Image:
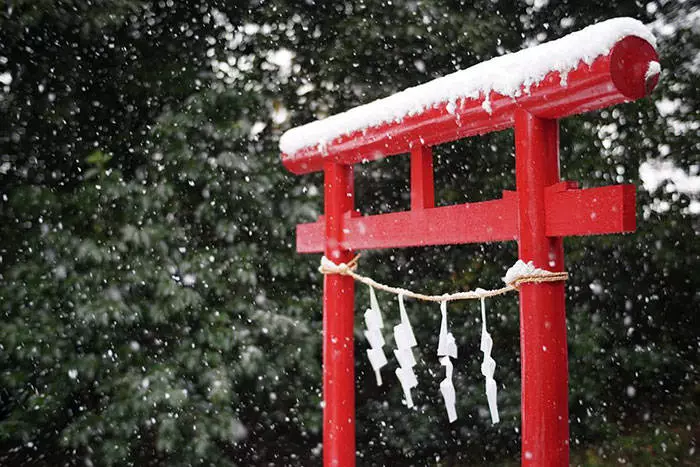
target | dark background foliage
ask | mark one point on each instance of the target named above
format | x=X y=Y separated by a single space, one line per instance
x=154 y=311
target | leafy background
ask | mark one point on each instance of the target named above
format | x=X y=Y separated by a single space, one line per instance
x=154 y=311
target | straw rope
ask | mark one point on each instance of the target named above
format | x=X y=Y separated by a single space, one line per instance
x=349 y=268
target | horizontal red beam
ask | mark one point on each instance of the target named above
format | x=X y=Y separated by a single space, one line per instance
x=461 y=223
x=593 y=211
x=617 y=77
x=569 y=212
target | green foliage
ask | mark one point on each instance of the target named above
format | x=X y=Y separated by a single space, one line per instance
x=154 y=310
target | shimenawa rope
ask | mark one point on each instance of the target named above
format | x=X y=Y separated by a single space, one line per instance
x=348 y=269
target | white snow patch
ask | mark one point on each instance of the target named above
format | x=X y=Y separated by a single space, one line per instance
x=189 y=279
x=505 y=75
x=520 y=269
x=667 y=107
x=653 y=70
x=6 y=78
x=486 y=105
x=282 y=59
x=257 y=128
x=280 y=114
x=655 y=172
x=305 y=89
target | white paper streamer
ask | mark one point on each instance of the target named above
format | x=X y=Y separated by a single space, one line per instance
x=403 y=335
x=373 y=334
x=448 y=390
x=488 y=366
x=447 y=347
x=446 y=344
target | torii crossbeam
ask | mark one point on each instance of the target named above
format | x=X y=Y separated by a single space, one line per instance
x=605 y=64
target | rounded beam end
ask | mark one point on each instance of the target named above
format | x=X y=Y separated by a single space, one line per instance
x=634 y=66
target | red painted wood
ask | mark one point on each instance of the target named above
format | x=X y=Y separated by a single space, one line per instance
x=593 y=211
x=422 y=179
x=486 y=221
x=338 y=323
x=545 y=414
x=539 y=216
x=610 y=79
x=311 y=236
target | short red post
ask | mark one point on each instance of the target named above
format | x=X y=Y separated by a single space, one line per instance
x=545 y=412
x=422 y=178
x=338 y=322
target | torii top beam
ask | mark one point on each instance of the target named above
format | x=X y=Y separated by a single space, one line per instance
x=601 y=65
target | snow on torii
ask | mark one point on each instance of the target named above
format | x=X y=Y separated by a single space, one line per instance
x=514 y=76
x=605 y=64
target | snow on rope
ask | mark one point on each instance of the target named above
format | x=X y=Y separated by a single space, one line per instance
x=508 y=75
x=518 y=274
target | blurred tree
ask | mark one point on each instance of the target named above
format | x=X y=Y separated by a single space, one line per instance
x=154 y=311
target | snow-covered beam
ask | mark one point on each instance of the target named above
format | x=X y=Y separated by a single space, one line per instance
x=604 y=64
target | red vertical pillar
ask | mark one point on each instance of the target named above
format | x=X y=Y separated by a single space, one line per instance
x=338 y=321
x=422 y=179
x=545 y=412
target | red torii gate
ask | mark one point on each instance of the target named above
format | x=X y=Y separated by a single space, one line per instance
x=538 y=214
